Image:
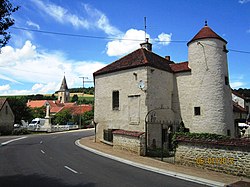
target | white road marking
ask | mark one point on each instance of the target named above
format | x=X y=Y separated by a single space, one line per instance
x=5 y=143
x=70 y=169
x=42 y=152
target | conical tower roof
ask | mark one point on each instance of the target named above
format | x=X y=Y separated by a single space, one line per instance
x=64 y=86
x=206 y=32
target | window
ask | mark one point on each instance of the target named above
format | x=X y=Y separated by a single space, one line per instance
x=197 y=111
x=226 y=80
x=6 y=110
x=228 y=132
x=115 y=100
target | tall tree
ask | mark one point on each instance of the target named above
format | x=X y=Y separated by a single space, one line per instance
x=20 y=109
x=6 y=9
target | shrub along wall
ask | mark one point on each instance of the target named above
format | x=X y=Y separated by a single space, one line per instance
x=231 y=156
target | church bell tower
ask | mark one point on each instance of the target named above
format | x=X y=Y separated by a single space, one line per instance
x=63 y=93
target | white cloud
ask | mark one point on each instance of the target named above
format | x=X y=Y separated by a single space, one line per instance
x=237 y=81
x=244 y=1
x=164 y=39
x=37 y=86
x=237 y=84
x=30 y=23
x=4 y=87
x=131 y=41
x=43 y=70
x=95 y=19
x=100 y=20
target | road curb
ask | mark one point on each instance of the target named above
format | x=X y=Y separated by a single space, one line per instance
x=154 y=169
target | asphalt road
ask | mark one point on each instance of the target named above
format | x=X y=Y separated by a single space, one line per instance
x=55 y=160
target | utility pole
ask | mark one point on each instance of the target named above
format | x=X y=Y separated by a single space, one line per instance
x=83 y=81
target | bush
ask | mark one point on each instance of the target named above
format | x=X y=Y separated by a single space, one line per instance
x=20 y=132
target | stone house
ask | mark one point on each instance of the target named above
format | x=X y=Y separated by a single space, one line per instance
x=240 y=107
x=143 y=87
x=6 y=117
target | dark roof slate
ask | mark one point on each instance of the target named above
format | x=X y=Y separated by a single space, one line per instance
x=238 y=108
x=206 y=32
x=139 y=57
x=180 y=67
x=64 y=86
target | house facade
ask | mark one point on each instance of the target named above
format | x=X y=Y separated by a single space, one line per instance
x=6 y=117
x=241 y=107
x=143 y=87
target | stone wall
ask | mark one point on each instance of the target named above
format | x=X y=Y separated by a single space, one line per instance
x=131 y=141
x=230 y=159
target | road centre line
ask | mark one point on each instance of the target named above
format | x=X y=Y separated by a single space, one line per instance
x=42 y=152
x=70 y=169
x=5 y=143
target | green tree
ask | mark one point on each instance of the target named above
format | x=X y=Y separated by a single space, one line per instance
x=38 y=112
x=20 y=109
x=62 y=117
x=87 y=117
x=6 y=9
x=74 y=98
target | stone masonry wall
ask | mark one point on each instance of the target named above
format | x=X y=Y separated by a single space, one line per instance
x=129 y=143
x=232 y=160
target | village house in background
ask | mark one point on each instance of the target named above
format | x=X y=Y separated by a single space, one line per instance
x=6 y=117
x=143 y=87
x=63 y=102
x=241 y=106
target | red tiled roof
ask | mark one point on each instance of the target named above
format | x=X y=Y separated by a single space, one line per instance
x=139 y=57
x=128 y=133
x=78 y=109
x=56 y=106
x=238 y=108
x=180 y=67
x=2 y=101
x=206 y=32
x=36 y=103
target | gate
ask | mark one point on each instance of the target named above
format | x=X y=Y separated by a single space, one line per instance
x=159 y=132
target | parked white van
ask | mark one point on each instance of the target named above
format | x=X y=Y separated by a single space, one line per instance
x=37 y=122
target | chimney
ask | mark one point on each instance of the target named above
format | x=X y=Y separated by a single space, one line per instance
x=167 y=58
x=146 y=45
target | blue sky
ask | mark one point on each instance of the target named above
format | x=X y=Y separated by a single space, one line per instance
x=97 y=33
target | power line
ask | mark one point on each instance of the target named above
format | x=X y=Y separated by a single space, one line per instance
x=232 y=50
x=73 y=35
x=111 y=38
x=92 y=37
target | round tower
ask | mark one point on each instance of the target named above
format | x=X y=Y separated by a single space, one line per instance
x=211 y=93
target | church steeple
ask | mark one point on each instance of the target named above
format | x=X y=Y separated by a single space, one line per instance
x=64 y=85
x=63 y=93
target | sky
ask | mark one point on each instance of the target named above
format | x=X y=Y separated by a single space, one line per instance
x=56 y=38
